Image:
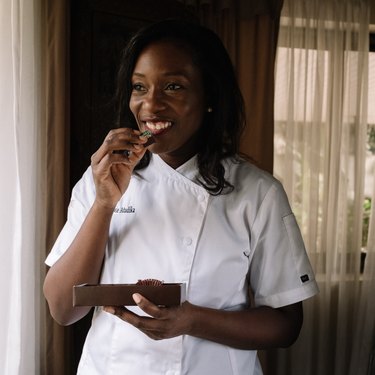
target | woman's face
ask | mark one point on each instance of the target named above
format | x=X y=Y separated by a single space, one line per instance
x=168 y=99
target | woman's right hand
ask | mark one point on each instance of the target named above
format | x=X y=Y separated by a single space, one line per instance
x=83 y=260
x=112 y=169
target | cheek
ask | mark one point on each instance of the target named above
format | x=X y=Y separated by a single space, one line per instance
x=192 y=105
x=132 y=106
x=196 y=112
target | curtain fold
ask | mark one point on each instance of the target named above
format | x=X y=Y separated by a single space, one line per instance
x=255 y=66
x=321 y=104
x=33 y=76
x=21 y=202
x=363 y=353
x=57 y=351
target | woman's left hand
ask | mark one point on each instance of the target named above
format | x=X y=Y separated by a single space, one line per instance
x=162 y=322
x=255 y=328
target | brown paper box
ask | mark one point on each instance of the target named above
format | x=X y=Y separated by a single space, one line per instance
x=121 y=294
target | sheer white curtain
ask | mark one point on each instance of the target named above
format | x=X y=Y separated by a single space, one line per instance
x=20 y=193
x=321 y=113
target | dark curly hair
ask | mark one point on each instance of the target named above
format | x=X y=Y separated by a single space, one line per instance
x=222 y=128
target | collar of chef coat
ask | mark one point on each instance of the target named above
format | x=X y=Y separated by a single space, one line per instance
x=189 y=170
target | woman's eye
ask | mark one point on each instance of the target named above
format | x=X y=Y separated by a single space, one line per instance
x=173 y=86
x=138 y=87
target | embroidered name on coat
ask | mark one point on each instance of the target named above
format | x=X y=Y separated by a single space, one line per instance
x=124 y=210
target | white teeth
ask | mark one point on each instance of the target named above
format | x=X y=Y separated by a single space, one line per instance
x=159 y=125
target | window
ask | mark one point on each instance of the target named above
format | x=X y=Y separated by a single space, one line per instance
x=304 y=138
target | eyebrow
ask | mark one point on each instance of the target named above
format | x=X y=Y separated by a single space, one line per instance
x=167 y=74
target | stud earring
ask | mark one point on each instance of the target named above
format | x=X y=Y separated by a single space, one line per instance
x=209 y=109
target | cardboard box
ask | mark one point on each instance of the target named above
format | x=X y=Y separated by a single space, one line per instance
x=121 y=294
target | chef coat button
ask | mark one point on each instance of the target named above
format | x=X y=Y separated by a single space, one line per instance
x=200 y=198
x=187 y=241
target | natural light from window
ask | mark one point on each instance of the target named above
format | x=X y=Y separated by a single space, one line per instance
x=303 y=113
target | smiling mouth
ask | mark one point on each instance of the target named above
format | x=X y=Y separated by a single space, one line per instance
x=157 y=127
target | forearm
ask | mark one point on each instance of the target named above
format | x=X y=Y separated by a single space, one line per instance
x=81 y=263
x=251 y=329
x=256 y=328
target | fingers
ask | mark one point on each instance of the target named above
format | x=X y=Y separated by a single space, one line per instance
x=149 y=326
x=158 y=325
x=120 y=146
x=112 y=167
x=142 y=302
x=150 y=308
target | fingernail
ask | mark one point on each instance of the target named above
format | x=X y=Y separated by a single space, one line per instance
x=136 y=298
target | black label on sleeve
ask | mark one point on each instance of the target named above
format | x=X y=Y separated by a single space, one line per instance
x=305 y=278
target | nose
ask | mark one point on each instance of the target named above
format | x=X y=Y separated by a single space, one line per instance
x=154 y=101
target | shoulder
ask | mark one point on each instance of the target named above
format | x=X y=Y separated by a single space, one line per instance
x=255 y=185
x=245 y=175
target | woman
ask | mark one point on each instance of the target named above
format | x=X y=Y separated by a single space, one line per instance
x=186 y=209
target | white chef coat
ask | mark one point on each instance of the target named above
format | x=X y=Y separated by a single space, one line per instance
x=167 y=227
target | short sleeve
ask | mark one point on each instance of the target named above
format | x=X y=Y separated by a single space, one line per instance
x=83 y=195
x=280 y=271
